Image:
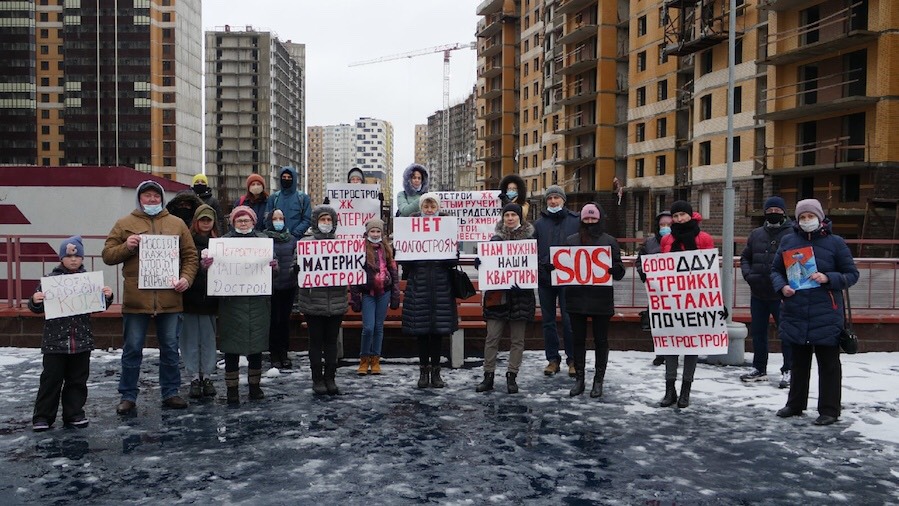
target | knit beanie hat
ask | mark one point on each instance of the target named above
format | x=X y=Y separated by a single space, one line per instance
x=374 y=223
x=682 y=206
x=240 y=211
x=555 y=190
x=515 y=208
x=199 y=179
x=810 y=206
x=71 y=246
x=777 y=202
x=429 y=196
x=589 y=211
x=255 y=178
x=355 y=171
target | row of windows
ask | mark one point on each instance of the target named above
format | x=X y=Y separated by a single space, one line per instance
x=705 y=158
x=661 y=93
x=661 y=130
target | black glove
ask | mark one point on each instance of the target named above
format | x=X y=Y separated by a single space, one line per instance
x=295 y=270
x=643 y=277
x=381 y=196
x=326 y=202
x=515 y=288
x=477 y=262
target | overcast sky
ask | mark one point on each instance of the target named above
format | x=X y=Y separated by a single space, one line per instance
x=338 y=32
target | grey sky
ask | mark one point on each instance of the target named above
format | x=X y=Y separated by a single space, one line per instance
x=338 y=32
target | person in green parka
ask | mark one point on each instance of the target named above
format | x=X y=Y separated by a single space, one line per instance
x=415 y=184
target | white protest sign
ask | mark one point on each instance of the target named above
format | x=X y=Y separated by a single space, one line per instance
x=581 y=265
x=685 y=304
x=331 y=262
x=507 y=263
x=425 y=237
x=159 y=266
x=73 y=294
x=478 y=212
x=240 y=266
x=355 y=204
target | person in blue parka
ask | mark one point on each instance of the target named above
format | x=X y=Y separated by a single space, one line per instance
x=295 y=204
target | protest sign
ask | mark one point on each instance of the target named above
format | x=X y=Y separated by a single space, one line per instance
x=335 y=262
x=581 y=265
x=507 y=263
x=425 y=237
x=159 y=262
x=73 y=294
x=800 y=264
x=685 y=304
x=355 y=204
x=478 y=212
x=240 y=266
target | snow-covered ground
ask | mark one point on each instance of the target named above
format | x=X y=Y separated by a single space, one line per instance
x=385 y=442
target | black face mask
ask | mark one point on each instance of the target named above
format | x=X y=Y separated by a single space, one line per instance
x=774 y=218
x=286 y=183
x=200 y=188
x=184 y=213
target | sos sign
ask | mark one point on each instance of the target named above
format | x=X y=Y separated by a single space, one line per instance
x=581 y=265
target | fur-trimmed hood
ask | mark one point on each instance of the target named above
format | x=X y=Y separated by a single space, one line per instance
x=522 y=197
x=407 y=176
x=317 y=211
x=525 y=231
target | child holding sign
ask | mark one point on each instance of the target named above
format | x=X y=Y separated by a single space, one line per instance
x=66 y=345
x=685 y=236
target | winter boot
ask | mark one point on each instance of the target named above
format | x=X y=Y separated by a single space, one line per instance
x=436 y=380
x=330 y=385
x=597 y=387
x=424 y=378
x=233 y=395
x=375 y=365
x=487 y=384
x=285 y=361
x=318 y=381
x=196 y=389
x=578 y=388
x=208 y=388
x=254 y=376
x=363 y=366
x=684 y=400
x=511 y=384
x=670 y=394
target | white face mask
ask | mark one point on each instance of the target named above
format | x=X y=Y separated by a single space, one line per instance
x=255 y=189
x=554 y=209
x=246 y=230
x=325 y=228
x=153 y=209
x=373 y=240
x=810 y=225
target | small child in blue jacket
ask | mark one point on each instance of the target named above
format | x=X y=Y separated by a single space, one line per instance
x=66 y=345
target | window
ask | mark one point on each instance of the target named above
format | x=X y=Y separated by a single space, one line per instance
x=639 y=212
x=806 y=188
x=738 y=99
x=45 y=114
x=810 y=21
x=705 y=203
x=45 y=146
x=640 y=134
x=705 y=107
x=45 y=97
x=527 y=93
x=641 y=26
x=705 y=153
x=850 y=185
x=526 y=69
x=660 y=165
x=45 y=65
x=660 y=204
x=524 y=140
x=641 y=96
x=641 y=61
x=638 y=167
x=45 y=81
x=45 y=49
x=736 y=147
x=705 y=62
x=738 y=51
x=663 y=57
x=663 y=90
x=661 y=128
x=45 y=129
x=663 y=16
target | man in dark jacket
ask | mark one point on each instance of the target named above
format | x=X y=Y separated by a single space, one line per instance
x=755 y=263
x=295 y=204
x=200 y=186
x=553 y=227
x=651 y=246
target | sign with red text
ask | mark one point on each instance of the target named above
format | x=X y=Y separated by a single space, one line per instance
x=425 y=238
x=73 y=294
x=240 y=266
x=581 y=265
x=159 y=260
x=507 y=263
x=686 y=310
x=355 y=204
x=331 y=262
x=478 y=212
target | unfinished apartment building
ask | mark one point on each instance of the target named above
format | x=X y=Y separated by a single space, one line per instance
x=451 y=167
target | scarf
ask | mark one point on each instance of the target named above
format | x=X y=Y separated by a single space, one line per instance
x=684 y=235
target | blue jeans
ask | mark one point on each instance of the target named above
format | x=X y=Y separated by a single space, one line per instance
x=197 y=342
x=548 y=295
x=374 y=310
x=133 y=353
x=759 y=310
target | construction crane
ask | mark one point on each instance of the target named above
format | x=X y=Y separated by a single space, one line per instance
x=446 y=49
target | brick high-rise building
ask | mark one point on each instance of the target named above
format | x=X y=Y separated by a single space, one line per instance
x=421 y=144
x=367 y=144
x=315 y=163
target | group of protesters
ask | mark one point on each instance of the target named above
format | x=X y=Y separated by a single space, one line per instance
x=192 y=326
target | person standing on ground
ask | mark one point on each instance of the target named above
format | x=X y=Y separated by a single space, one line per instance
x=755 y=264
x=140 y=306
x=295 y=204
x=415 y=184
x=197 y=339
x=200 y=186
x=284 y=291
x=811 y=320
x=553 y=227
x=651 y=246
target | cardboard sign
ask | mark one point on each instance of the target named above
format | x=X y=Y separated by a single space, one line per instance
x=160 y=259
x=240 y=266
x=685 y=303
x=425 y=237
x=355 y=204
x=478 y=212
x=334 y=262
x=507 y=263
x=581 y=265
x=73 y=294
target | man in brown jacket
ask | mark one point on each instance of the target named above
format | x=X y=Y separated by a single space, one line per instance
x=140 y=305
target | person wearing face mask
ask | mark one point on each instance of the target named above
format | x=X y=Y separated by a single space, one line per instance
x=755 y=264
x=415 y=184
x=651 y=246
x=552 y=229
x=200 y=186
x=381 y=288
x=255 y=198
x=284 y=291
x=514 y=190
x=514 y=307
x=685 y=236
x=295 y=204
x=594 y=302
x=183 y=205
x=323 y=308
x=811 y=320
x=140 y=306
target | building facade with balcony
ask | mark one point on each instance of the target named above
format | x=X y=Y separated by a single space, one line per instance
x=315 y=163
x=421 y=144
x=458 y=175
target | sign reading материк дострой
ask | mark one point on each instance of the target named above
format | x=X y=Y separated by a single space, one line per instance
x=685 y=304
x=355 y=204
x=159 y=258
x=240 y=266
x=426 y=238
x=331 y=262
